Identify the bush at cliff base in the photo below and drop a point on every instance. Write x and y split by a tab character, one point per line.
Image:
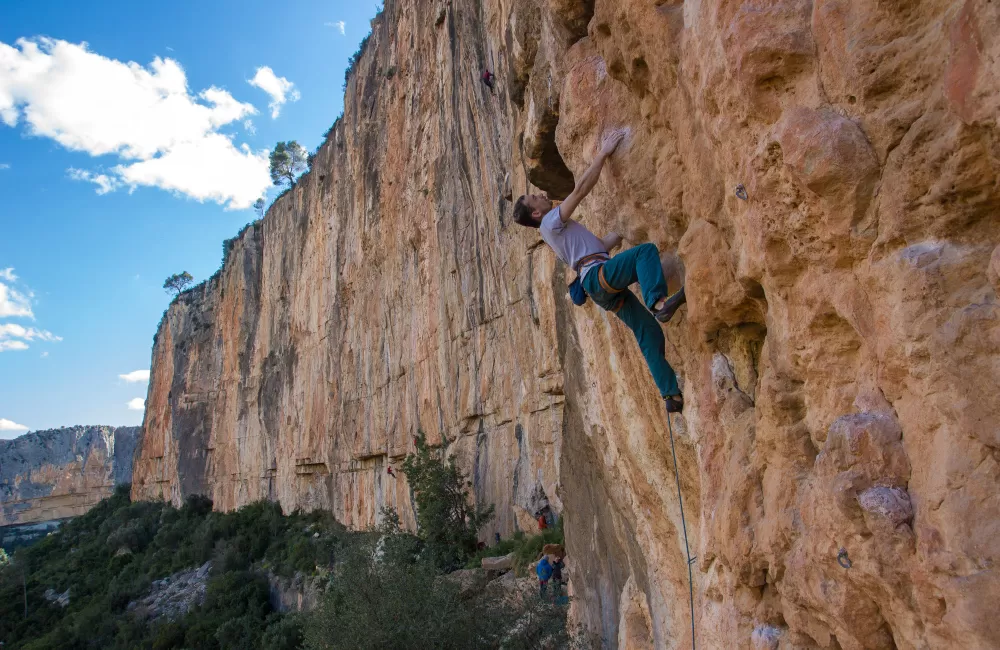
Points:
387	592
448	519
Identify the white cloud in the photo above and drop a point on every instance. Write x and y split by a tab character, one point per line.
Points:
135	376
280	89
136	404
7	425
13	330
337	24
145	115
212	169
4	166
45	354
13	302
249	127
103	182
14	336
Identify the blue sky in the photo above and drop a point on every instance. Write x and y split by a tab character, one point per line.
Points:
81	272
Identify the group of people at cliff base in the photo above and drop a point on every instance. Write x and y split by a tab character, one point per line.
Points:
549	570
605	279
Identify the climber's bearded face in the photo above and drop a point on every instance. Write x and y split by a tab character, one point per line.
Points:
539	204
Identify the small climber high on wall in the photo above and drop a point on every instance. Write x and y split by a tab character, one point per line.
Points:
487	78
606	279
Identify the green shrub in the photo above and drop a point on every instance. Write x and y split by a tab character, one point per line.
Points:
447	522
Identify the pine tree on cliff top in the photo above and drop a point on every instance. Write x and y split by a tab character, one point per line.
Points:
288	160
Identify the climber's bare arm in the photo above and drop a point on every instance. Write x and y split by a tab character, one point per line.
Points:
612	240
589	178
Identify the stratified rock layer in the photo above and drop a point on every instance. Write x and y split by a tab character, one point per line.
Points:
60	473
838	352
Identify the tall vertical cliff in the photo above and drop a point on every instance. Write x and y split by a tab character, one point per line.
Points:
839	351
60	473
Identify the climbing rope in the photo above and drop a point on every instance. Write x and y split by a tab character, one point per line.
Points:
687	549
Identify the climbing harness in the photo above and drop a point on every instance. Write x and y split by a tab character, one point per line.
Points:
589	259
576	291
741	192
687	549
605	284
843	560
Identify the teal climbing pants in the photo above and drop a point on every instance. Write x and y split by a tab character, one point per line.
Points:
642	264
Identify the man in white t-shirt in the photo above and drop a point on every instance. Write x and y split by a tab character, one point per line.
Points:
606	279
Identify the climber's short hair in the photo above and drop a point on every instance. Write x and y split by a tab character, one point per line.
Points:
522	213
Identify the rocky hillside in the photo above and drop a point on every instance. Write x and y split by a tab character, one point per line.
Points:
60	473
838	351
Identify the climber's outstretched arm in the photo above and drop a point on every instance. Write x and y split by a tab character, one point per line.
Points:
589	178
612	240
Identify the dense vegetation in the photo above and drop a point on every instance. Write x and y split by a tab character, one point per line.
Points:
384	588
389	594
110	556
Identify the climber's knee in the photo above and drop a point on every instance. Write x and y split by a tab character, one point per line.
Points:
649	248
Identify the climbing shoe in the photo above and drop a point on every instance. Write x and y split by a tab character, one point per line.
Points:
670	305
675	403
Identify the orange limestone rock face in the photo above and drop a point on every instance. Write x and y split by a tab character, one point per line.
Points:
838	450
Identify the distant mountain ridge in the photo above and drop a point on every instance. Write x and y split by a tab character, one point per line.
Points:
61	473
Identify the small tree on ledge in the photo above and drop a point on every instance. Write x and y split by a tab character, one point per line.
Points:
447	517
178	282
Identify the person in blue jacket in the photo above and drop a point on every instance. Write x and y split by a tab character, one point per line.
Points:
544	571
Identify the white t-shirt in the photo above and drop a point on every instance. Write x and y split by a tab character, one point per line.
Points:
571	241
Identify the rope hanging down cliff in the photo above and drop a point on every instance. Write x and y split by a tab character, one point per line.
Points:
687	549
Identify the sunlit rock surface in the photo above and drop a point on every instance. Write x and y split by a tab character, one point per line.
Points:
839	349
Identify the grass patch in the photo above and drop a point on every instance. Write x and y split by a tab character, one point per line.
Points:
526	548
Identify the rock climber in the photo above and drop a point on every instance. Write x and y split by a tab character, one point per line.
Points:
389	471
606	279
487	78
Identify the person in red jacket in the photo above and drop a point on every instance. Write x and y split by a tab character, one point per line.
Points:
487	78
389	471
